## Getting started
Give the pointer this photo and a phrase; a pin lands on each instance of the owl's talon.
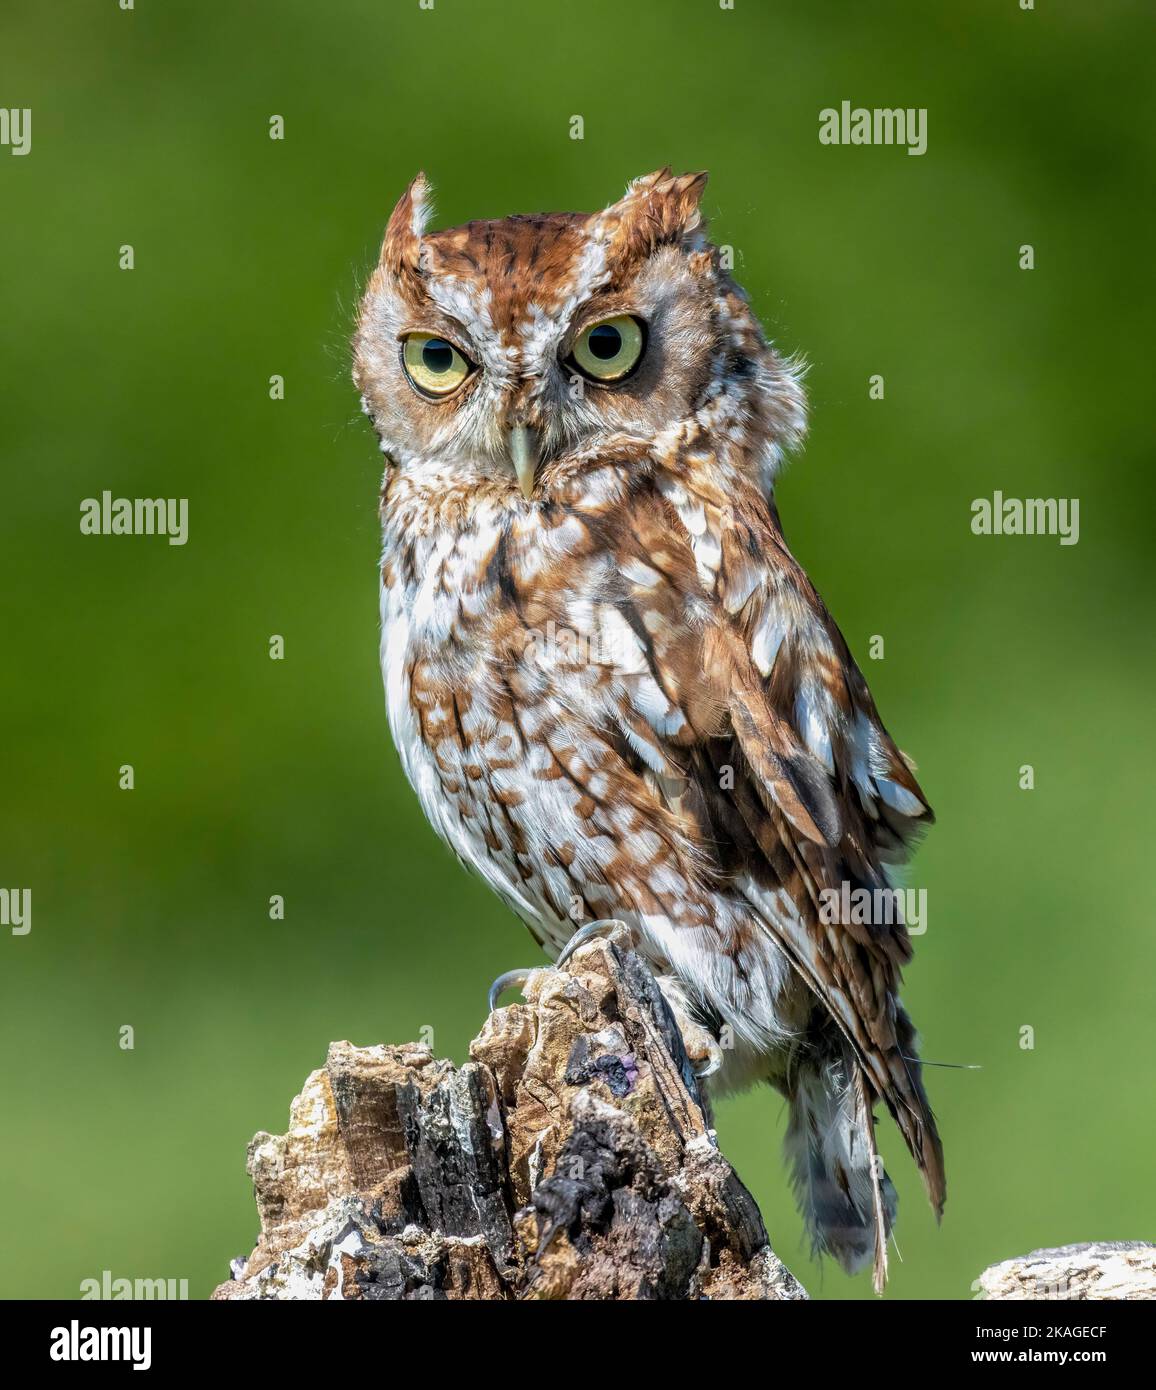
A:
(511, 979)
(589, 932)
(712, 1064)
(516, 979)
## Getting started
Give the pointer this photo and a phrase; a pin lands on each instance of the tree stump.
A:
(571, 1157)
(1102, 1269)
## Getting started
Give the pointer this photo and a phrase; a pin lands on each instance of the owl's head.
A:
(514, 350)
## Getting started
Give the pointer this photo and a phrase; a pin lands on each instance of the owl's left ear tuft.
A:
(401, 249)
(657, 209)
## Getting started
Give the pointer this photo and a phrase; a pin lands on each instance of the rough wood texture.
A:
(571, 1157)
(1103, 1269)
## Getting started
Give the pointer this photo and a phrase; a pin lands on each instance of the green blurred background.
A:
(256, 777)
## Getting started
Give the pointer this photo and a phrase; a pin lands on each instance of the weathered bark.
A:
(571, 1157)
(1103, 1269)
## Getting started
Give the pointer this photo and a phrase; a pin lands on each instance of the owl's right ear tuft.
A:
(401, 249)
(657, 209)
(673, 197)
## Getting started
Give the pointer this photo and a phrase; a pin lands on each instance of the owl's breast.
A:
(449, 662)
(529, 720)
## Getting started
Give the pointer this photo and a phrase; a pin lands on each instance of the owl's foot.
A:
(592, 930)
(511, 979)
(703, 1049)
(516, 979)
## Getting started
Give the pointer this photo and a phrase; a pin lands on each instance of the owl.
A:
(613, 688)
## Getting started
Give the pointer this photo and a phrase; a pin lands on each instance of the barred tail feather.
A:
(883, 1222)
(847, 1200)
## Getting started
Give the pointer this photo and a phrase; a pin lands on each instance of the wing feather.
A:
(819, 794)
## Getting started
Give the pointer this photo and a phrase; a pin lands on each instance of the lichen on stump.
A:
(571, 1157)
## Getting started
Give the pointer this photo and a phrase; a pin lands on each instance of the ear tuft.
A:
(657, 209)
(401, 249)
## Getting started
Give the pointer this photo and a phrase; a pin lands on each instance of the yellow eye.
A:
(434, 365)
(610, 349)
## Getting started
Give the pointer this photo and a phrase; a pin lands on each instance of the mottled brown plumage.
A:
(612, 686)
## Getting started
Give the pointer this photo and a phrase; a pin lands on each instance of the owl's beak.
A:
(522, 445)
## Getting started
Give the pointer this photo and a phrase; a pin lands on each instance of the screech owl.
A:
(613, 688)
